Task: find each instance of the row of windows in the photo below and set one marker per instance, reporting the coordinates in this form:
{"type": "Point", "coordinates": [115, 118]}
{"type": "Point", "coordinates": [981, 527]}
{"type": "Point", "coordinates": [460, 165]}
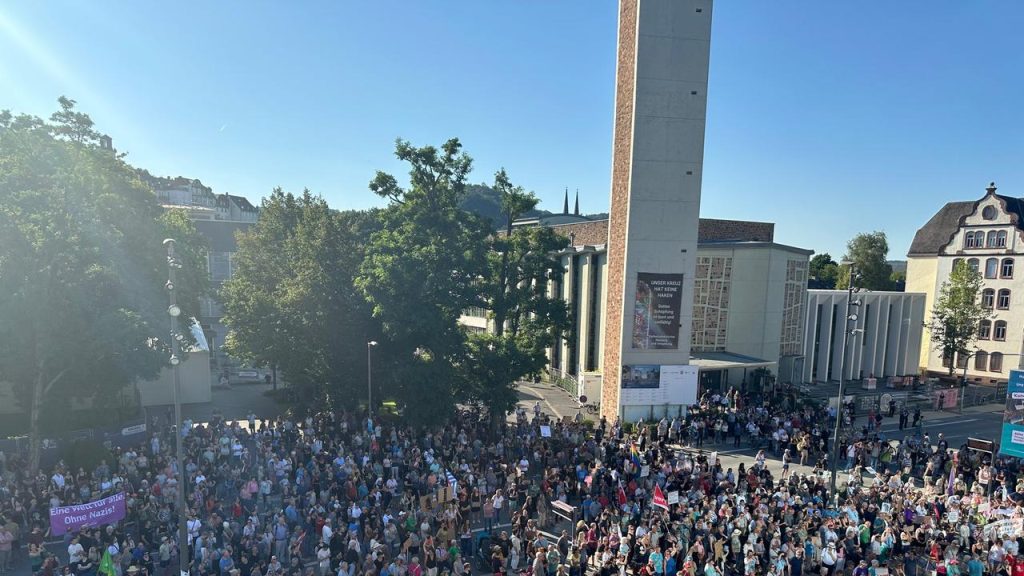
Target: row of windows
{"type": "Point", "coordinates": [989, 298]}
{"type": "Point", "coordinates": [983, 361]}
{"type": "Point", "coordinates": [993, 267]}
{"type": "Point", "coordinates": [987, 331]}
{"type": "Point", "coordinates": [979, 239]}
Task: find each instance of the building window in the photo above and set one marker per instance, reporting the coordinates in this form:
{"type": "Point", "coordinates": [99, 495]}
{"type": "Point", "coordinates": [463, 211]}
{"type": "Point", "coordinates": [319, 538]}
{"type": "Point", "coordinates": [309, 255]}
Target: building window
{"type": "Point", "coordinates": [988, 212]}
{"type": "Point", "coordinates": [946, 361]}
{"type": "Point", "coordinates": [961, 361]}
{"type": "Point", "coordinates": [995, 362]}
{"type": "Point", "coordinates": [990, 239]}
{"type": "Point", "coordinates": [956, 262]}
{"type": "Point", "coordinates": [988, 298]}
{"type": "Point", "coordinates": [999, 332]}
{"type": "Point", "coordinates": [985, 330]}
{"type": "Point", "coordinates": [1001, 239]}
{"type": "Point", "coordinates": [1007, 268]}
{"type": "Point", "coordinates": [980, 360]}
{"type": "Point", "coordinates": [991, 267]}
{"type": "Point", "coordinates": [969, 240]}
{"type": "Point", "coordinates": [1003, 301]}
{"type": "Point", "coordinates": [972, 263]}
{"type": "Point", "coordinates": [220, 266]}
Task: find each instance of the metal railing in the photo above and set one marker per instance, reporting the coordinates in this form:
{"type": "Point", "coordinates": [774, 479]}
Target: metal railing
{"type": "Point", "coordinates": [566, 382]}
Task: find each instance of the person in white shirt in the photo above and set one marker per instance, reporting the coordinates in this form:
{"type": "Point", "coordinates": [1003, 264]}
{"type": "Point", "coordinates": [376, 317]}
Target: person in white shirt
{"type": "Point", "coordinates": [498, 501]}
{"type": "Point", "coordinates": [75, 551]}
{"type": "Point", "coordinates": [326, 532]}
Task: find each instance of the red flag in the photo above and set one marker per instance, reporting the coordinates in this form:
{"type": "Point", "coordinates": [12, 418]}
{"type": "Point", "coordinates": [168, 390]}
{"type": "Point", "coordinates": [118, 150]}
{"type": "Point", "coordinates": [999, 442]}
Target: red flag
{"type": "Point", "coordinates": [622, 496]}
{"type": "Point", "coordinates": [659, 498]}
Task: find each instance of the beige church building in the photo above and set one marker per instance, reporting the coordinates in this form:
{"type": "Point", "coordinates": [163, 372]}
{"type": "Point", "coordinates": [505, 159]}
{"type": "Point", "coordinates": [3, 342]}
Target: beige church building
{"type": "Point", "coordinates": [987, 234]}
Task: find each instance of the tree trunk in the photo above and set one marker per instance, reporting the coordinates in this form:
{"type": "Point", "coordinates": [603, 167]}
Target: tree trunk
{"type": "Point", "coordinates": [34, 441]}
{"type": "Point", "coordinates": [501, 299]}
{"type": "Point", "coordinates": [275, 376]}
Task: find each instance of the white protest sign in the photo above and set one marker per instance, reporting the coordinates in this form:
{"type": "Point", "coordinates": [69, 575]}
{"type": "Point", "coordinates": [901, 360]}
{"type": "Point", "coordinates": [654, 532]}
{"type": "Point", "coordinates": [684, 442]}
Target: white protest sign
{"type": "Point", "coordinates": [645, 471]}
{"type": "Point", "coordinates": [545, 431]}
{"type": "Point", "coordinates": [1002, 528]}
{"type": "Point", "coordinates": [673, 497]}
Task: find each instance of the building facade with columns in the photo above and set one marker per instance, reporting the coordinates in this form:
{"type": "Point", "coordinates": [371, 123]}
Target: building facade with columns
{"type": "Point", "coordinates": [988, 235]}
{"type": "Point", "coordinates": [885, 344]}
{"type": "Point", "coordinates": [748, 301]}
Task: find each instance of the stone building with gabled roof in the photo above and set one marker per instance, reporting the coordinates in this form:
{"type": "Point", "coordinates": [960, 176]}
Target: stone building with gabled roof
{"type": "Point", "coordinates": [988, 234]}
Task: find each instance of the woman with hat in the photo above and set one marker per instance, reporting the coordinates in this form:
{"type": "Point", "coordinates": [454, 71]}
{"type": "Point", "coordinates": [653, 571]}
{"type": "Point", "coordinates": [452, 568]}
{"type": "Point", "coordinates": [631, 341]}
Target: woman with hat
{"type": "Point", "coordinates": [829, 558]}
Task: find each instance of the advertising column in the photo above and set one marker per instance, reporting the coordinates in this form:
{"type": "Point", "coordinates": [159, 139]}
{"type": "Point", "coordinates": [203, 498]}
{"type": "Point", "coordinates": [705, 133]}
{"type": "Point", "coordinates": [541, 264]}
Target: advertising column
{"type": "Point", "coordinates": [1012, 439]}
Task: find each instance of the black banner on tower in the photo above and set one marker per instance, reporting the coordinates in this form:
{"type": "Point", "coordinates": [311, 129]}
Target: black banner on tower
{"type": "Point", "coordinates": [656, 311]}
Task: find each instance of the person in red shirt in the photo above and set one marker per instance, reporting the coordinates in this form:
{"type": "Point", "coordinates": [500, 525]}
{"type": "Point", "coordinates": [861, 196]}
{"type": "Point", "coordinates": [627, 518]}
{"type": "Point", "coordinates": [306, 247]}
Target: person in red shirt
{"type": "Point", "coordinates": [1016, 565]}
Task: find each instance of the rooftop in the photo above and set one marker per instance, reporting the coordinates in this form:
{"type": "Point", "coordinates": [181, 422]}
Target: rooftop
{"type": "Point", "coordinates": [940, 229]}
{"type": "Point", "coordinates": [709, 230]}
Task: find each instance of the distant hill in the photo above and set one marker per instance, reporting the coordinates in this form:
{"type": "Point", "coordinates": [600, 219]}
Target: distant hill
{"type": "Point", "coordinates": [485, 201]}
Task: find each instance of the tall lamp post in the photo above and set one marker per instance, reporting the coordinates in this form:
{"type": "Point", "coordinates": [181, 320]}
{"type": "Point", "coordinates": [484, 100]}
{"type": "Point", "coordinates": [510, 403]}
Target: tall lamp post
{"type": "Point", "coordinates": [174, 312]}
{"type": "Point", "coordinates": [850, 330]}
{"type": "Point", "coordinates": [369, 378]}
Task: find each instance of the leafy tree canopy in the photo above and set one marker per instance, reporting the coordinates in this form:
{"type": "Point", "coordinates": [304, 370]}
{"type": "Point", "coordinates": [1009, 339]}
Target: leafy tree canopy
{"type": "Point", "coordinates": [292, 303]}
{"type": "Point", "coordinates": [957, 313]}
{"type": "Point", "coordinates": [82, 268]}
{"type": "Point", "coordinates": [823, 271]}
{"type": "Point", "coordinates": [867, 252]}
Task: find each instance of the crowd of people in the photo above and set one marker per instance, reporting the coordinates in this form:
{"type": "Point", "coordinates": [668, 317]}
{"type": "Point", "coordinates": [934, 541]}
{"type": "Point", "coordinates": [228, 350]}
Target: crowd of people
{"type": "Point", "coordinates": [341, 494]}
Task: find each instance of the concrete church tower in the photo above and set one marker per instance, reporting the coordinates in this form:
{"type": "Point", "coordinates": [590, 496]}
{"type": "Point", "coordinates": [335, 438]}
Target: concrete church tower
{"type": "Point", "coordinates": [658, 154]}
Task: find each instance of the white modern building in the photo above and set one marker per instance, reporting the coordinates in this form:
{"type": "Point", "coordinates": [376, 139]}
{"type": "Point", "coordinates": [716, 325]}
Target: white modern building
{"type": "Point", "coordinates": [885, 342]}
{"type": "Point", "coordinates": [987, 234]}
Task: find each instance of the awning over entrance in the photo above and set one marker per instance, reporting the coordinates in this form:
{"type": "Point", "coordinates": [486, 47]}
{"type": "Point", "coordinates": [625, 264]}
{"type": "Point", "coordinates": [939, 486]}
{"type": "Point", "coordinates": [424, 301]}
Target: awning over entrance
{"type": "Point", "coordinates": [708, 361]}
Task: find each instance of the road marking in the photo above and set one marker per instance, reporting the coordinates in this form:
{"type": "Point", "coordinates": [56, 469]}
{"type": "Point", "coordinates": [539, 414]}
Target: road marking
{"type": "Point", "coordinates": [545, 399]}
{"type": "Point", "coordinates": [928, 424]}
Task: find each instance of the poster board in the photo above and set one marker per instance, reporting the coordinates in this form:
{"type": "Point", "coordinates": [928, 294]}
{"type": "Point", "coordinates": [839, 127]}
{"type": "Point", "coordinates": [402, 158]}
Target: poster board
{"type": "Point", "coordinates": [656, 310]}
{"type": "Point", "coordinates": [657, 385]}
{"type": "Point", "coordinates": [1012, 436]}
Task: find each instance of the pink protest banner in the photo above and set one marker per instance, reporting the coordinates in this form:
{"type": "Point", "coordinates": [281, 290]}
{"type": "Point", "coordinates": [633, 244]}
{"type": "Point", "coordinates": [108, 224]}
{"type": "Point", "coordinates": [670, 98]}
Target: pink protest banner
{"type": "Point", "coordinates": [72, 518]}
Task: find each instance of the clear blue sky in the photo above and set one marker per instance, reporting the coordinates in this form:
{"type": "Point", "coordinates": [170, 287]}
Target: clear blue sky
{"type": "Point", "coordinates": [828, 118]}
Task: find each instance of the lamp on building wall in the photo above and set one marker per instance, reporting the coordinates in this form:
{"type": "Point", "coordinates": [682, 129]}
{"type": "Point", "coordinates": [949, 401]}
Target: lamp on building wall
{"type": "Point", "coordinates": [849, 331]}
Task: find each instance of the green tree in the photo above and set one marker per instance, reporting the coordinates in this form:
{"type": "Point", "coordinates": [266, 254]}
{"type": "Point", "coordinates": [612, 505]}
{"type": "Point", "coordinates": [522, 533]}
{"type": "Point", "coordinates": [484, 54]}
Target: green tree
{"type": "Point", "coordinates": [898, 278]}
{"type": "Point", "coordinates": [957, 312]}
{"type": "Point", "coordinates": [292, 304]}
{"type": "Point", "coordinates": [422, 269]}
{"type": "Point", "coordinates": [527, 320]}
{"type": "Point", "coordinates": [70, 124]}
{"type": "Point", "coordinates": [867, 252]}
{"type": "Point", "coordinates": [824, 270]}
{"type": "Point", "coordinates": [82, 270]}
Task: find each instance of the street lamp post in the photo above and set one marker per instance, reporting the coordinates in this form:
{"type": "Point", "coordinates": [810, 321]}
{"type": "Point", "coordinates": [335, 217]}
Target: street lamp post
{"type": "Point", "coordinates": [174, 311]}
{"type": "Point", "coordinates": [847, 333]}
{"type": "Point", "coordinates": [369, 378]}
